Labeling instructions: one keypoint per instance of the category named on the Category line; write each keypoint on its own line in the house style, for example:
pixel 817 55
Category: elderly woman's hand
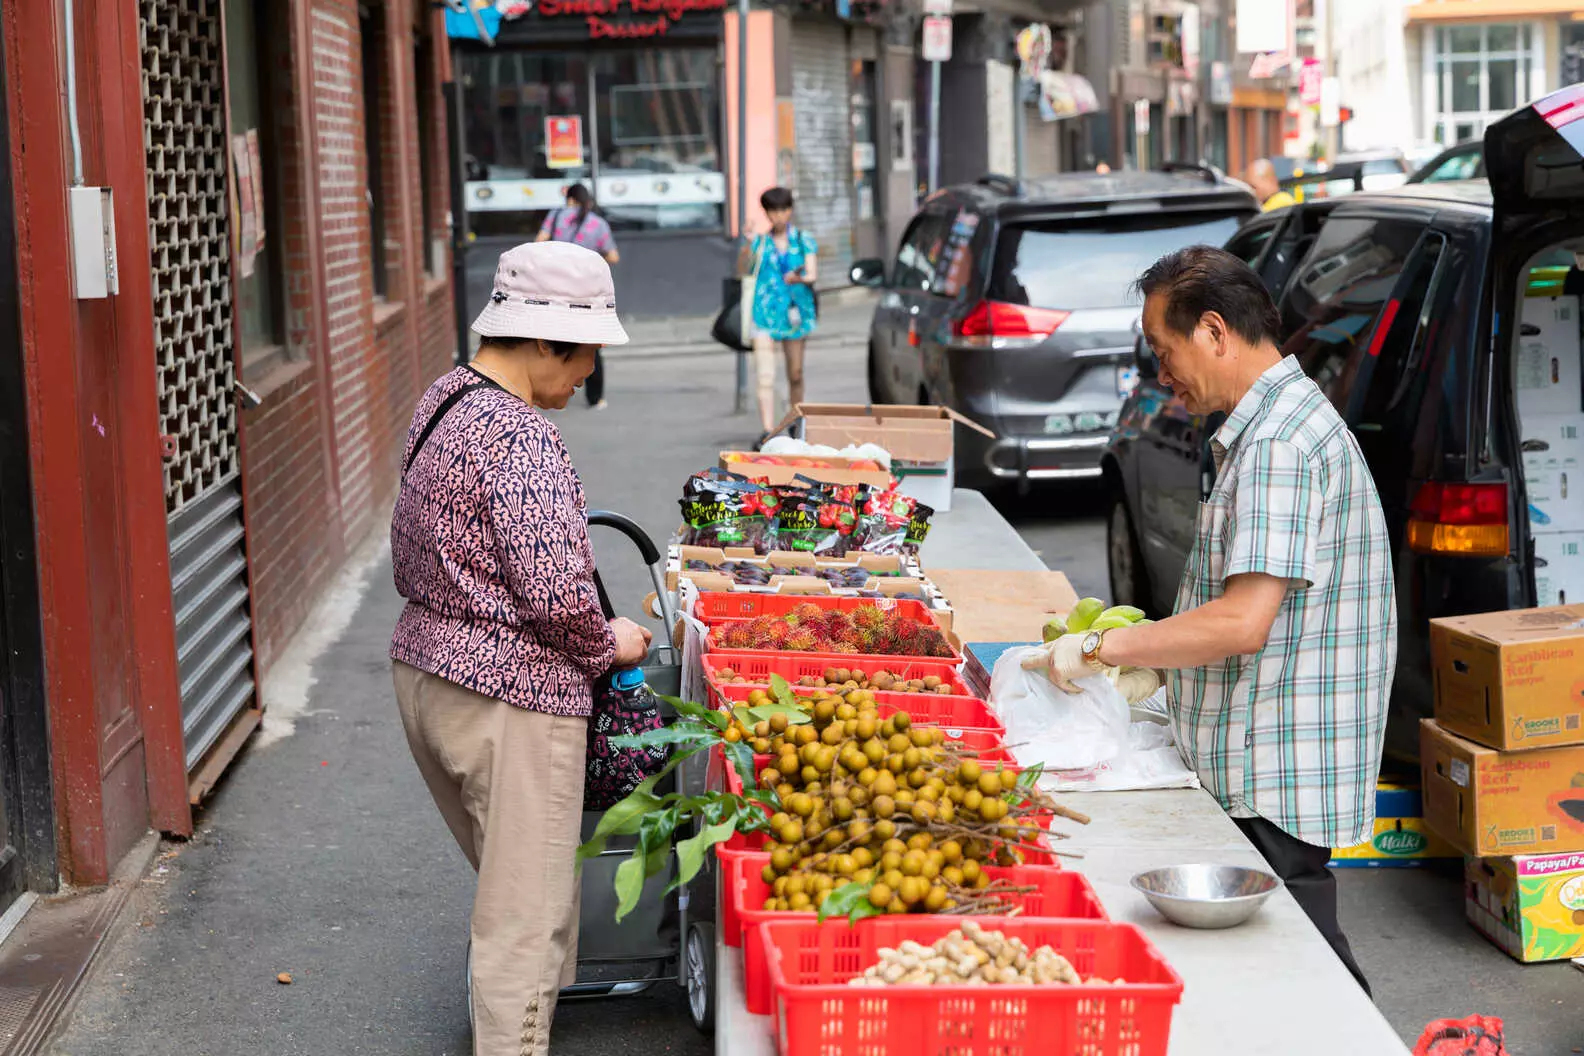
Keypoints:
pixel 632 642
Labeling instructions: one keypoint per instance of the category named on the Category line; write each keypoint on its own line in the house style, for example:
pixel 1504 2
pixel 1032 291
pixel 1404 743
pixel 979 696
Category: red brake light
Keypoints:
pixel 1468 520
pixel 993 320
pixel 1562 107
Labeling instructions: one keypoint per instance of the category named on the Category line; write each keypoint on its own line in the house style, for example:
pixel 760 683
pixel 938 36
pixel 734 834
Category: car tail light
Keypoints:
pixel 1563 107
pixel 1463 520
pixel 992 323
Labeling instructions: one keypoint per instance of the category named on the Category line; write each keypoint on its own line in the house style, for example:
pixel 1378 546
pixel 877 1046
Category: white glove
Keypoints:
pixel 1062 661
pixel 1138 683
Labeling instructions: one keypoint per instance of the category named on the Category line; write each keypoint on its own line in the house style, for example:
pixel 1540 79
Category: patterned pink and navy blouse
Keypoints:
pixel 490 545
pixel 592 232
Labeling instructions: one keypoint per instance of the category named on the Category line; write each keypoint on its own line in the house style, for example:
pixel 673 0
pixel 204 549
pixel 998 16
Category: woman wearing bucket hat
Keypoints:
pixel 503 635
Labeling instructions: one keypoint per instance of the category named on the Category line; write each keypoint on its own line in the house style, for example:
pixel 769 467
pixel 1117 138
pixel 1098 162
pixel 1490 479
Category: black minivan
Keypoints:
pixel 1443 320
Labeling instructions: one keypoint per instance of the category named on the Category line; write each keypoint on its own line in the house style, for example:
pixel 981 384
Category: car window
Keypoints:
pixel 1076 264
pixel 1382 165
pixel 920 250
pixel 1250 242
pixel 1457 167
pixel 1338 295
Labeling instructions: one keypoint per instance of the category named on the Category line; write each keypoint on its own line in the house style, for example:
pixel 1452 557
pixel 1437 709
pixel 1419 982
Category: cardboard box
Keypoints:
pixel 1511 679
pixel 1553 465
pixel 1547 371
pixel 788 468
pixel 1491 803
pixel 920 440
pixel 1401 836
pixel 1531 905
pixel 1002 606
pixel 1559 567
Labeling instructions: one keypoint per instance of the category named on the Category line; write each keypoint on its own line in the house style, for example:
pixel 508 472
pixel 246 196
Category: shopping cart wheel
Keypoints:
pixel 699 969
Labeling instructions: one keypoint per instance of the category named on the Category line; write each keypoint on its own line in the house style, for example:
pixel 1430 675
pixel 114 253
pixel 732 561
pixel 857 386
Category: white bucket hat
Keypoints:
pixel 556 291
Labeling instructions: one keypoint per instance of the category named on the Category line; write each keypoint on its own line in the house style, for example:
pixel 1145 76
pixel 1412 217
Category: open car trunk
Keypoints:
pixel 1535 159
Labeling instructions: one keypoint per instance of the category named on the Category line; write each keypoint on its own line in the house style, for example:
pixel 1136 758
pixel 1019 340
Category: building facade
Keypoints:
pixel 212 425
pixel 1438 72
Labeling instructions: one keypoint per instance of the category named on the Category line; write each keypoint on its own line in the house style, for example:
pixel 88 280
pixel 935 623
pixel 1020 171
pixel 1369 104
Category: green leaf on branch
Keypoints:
pixel 691 851
pixel 850 901
pixel 631 875
pixel 690 734
pixel 781 689
pixel 1030 777
pixel 741 758
pixel 622 819
pixel 698 712
pixel 795 715
pixel 744 716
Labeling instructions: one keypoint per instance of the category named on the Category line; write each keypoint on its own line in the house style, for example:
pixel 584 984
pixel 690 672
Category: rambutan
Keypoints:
pixel 777 632
pixel 805 613
pixel 800 640
pixel 840 647
pixel 869 617
pixel 735 636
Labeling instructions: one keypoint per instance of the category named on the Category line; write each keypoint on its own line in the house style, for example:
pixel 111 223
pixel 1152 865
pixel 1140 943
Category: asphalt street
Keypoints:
pixel 322 856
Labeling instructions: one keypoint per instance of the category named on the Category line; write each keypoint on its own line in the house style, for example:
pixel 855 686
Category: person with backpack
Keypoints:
pixel 782 262
pixel 579 223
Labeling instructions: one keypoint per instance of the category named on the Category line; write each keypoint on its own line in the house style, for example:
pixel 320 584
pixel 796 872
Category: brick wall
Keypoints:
pixel 322 451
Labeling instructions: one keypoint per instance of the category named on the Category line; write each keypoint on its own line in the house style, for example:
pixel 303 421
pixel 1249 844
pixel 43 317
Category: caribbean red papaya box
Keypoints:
pixel 1490 803
pixel 1511 680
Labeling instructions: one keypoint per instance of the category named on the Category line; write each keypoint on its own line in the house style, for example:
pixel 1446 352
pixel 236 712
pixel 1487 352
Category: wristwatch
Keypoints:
pixel 1090 648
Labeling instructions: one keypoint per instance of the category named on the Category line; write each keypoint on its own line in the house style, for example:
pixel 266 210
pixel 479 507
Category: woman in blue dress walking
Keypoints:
pixel 784 267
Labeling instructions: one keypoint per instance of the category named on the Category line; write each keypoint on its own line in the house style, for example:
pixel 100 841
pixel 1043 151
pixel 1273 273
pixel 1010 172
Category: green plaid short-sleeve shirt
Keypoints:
pixel 1293 734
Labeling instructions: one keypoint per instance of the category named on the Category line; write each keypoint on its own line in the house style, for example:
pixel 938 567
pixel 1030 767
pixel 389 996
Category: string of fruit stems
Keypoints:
pixel 863 815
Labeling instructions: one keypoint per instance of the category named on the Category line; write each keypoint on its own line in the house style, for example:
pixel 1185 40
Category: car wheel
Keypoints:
pixel 699 976
pixel 1125 560
pixel 877 390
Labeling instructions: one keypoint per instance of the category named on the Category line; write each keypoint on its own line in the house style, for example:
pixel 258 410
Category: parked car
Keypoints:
pixel 1466 161
pixel 1407 308
pixel 1012 304
pixel 1374 170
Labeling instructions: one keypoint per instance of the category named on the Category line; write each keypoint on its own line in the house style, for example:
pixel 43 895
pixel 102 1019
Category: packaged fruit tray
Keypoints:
pixel 1051 892
pixel 805 672
pixel 819 1014
pixel 958 716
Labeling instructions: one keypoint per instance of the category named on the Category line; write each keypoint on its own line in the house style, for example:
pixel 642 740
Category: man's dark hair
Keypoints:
pixel 775 198
pixel 1203 279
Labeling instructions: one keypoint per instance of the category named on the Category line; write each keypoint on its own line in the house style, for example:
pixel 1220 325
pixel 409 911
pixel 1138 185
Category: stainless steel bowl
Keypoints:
pixel 1206 896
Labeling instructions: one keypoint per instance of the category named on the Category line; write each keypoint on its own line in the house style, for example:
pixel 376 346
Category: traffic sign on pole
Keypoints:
pixel 936 45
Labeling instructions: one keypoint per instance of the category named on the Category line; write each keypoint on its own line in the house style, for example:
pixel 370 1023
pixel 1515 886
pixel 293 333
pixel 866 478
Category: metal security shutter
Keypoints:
pixel 184 133
pixel 821 88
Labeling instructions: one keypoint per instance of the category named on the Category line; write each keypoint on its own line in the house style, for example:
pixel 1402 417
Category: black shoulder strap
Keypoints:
pixel 441 411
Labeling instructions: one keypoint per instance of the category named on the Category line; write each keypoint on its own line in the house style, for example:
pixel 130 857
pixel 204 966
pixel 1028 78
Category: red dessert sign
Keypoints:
pixel 627 19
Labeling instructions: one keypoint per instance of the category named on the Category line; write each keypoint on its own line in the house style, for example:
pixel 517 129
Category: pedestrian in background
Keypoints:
pixel 1261 178
pixel 784 267
pixel 578 222
pixel 1284 642
pixel 496 653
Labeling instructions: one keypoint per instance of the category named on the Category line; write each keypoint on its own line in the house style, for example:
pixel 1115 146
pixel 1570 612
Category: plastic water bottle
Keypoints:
pixel 636 695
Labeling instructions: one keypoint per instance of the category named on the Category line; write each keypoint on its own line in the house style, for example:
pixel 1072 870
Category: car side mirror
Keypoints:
pixel 1144 356
pixel 868 272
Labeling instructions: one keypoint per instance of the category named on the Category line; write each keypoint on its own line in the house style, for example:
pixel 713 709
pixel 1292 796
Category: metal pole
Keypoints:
pixel 741 404
pixel 1334 133
pixel 934 135
pixel 459 223
pixel 1019 115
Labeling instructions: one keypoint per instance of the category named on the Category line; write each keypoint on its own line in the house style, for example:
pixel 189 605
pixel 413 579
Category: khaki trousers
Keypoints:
pixel 509 783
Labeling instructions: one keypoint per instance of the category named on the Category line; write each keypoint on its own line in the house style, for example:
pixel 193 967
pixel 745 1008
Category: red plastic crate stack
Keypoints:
pixel 714 609
pixel 758 667
pixel 1056 893
pixel 819 1014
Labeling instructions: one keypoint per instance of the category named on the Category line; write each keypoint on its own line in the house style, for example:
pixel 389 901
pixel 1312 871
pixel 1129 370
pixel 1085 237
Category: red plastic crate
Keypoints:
pixel 793 666
pixel 818 1014
pixel 921 707
pixel 715 607
pixel 1059 893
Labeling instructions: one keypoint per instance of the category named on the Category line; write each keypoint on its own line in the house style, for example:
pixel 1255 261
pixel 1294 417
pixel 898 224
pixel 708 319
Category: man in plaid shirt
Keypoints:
pixel 1281 652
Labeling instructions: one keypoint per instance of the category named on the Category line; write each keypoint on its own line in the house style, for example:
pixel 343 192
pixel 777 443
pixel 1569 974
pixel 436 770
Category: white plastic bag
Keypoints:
pixel 1065 731
pixel 1087 742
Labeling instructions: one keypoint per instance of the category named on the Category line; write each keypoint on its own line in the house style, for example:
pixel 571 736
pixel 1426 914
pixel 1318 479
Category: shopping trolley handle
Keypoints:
pixel 628 527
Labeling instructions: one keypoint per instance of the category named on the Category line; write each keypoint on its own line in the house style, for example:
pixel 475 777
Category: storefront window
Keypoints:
pixel 255 190
pixel 641 127
pixel 1482 72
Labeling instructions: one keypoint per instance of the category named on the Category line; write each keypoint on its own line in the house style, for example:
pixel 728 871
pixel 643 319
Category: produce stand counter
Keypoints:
pixel 1271 986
